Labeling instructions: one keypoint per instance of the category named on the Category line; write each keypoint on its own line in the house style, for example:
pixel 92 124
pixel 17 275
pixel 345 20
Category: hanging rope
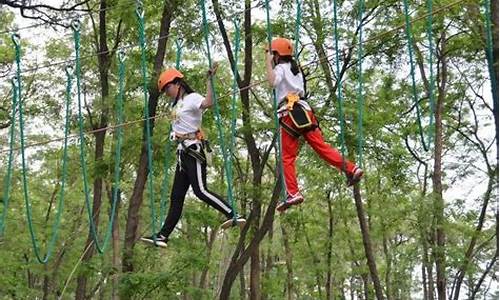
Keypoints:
pixel 118 135
pixel 60 204
pixel 298 21
pixel 140 18
pixel 217 111
pixel 491 68
pixel 251 85
pixel 339 86
pixel 12 133
pixel 232 141
pixel 168 145
pixel 361 99
pixel 409 38
pixel 142 40
pixel 279 160
pixel 93 231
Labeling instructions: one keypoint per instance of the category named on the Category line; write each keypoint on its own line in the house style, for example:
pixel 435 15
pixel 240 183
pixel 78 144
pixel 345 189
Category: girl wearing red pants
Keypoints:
pixel 297 119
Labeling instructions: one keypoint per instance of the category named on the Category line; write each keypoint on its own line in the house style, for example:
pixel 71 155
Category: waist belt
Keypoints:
pixel 200 155
pixel 186 136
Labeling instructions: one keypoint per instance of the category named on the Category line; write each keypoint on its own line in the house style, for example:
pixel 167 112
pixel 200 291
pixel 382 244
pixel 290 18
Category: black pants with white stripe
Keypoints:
pixel 191 172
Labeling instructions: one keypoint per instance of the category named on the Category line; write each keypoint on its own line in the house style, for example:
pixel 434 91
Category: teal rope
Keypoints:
pixel 432 102
pixel 118 133
pixel 298 19
pixel 339 86
pixel 279 162
pixel 178 53
pixel 168 145
pixel 489 57
pixel 361 100
pixel 92 227
pixel 140 18
pixel 232 142
pixel 409 38
pixel 8 176
pixel 217 111
pixel 60 204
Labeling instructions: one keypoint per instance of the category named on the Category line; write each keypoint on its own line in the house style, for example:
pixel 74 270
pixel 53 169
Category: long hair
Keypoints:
pixel 184 86
pixel 289 59
pixel 294 67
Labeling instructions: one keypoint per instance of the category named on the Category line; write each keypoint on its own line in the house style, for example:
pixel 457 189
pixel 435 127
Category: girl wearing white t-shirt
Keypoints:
pixel 297 119
pixel 191 168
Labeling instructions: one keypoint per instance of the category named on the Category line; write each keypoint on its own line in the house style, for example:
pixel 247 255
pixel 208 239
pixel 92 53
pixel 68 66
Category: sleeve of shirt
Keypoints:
pixel 279 73
pixel 195 103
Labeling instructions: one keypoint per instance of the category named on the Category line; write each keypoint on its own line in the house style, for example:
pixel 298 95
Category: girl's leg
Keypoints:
pixel 179 190
pixel 327 152
pixel 197 173
pixel 290 148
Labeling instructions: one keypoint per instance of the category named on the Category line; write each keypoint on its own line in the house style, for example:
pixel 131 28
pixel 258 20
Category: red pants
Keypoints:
pixel 290 148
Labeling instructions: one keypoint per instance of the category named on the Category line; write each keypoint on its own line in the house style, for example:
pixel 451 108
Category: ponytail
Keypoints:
pixel 185 86
pixel 295 68
pixel 294 65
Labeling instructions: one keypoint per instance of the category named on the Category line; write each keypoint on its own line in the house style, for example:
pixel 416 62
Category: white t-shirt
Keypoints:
pixel 188 116
pixel 285 82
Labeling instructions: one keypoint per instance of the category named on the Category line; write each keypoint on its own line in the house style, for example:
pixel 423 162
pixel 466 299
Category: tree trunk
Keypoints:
pixel 255 293
pixel 104 63
pixel 388 266
pixel 116 246
pixel 329 253
pixel 289 264
pixel 316 261
pixel 494 20
pixel 238 260
pixel 210 244
pixel 439 254
pixel 370 258
pixel 142 170
pixel 269 261
pixel 240 256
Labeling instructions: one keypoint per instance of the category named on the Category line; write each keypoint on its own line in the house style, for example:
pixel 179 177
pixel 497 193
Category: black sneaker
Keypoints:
pixel 238 221
pixel 290 200
pixel 355 177
pixel 157 239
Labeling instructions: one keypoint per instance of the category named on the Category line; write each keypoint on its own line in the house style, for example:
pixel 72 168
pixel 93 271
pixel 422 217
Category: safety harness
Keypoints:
pixel 203 155
pixel 298 114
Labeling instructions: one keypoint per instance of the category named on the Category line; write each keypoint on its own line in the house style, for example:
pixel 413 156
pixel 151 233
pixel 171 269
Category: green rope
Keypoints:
pixel 409 38
pixel 361 100
pixel 60 204
pixel 178 53
pixel 279 160
pixel 118 132
pixel 93 231
pixel 298 19
pixel 12 133
pixel 491 69
pixel 142 40
pixel 232 142
pixel 217 111
pixel 339 86
pixel 168 145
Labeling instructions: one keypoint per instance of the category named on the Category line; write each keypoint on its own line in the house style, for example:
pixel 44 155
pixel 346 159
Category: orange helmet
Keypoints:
pixel 282 46
pixel 168 76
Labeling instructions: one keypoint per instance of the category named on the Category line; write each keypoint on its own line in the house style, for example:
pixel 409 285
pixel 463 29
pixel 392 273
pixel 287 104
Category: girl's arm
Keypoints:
pixel 269 68
pixel 208 102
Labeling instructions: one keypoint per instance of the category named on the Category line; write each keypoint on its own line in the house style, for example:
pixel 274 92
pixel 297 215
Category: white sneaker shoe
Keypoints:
pixel 238 221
